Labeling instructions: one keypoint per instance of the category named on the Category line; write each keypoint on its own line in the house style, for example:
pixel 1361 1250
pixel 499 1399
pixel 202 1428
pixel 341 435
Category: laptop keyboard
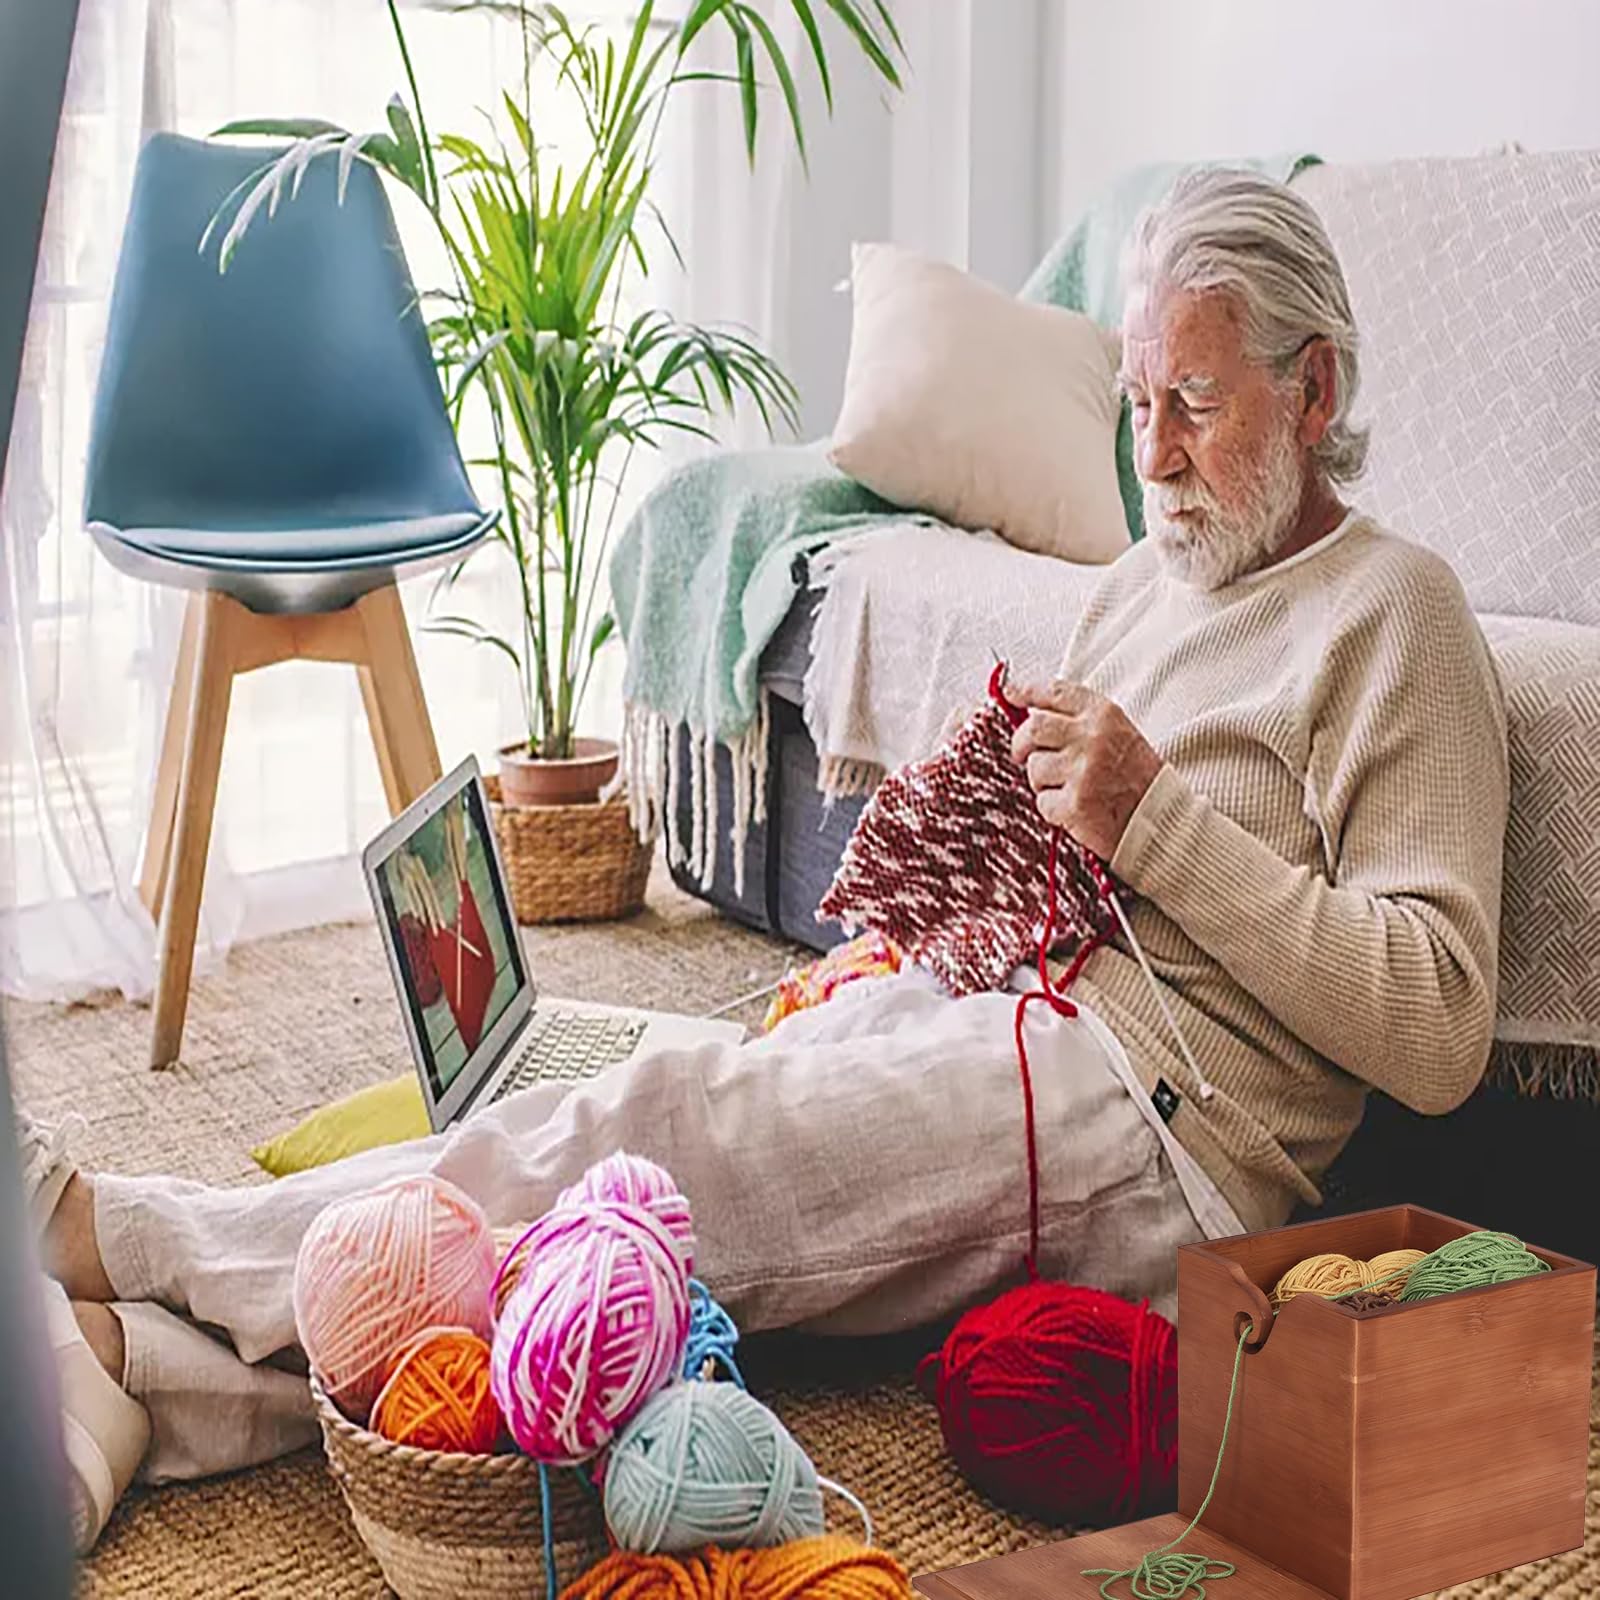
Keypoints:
pixel 564 1046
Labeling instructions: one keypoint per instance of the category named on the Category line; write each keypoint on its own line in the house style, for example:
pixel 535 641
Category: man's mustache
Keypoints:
pixel 1172 499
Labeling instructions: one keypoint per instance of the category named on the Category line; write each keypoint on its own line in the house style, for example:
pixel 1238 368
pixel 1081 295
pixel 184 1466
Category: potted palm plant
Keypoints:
pixel 531 328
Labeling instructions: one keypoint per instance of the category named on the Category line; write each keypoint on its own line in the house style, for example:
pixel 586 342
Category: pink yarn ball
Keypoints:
pixel 376 1269
pixel 597 1324
pixel 636 1181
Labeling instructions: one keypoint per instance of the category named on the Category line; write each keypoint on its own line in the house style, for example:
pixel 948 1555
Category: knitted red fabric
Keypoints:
pixel 949 860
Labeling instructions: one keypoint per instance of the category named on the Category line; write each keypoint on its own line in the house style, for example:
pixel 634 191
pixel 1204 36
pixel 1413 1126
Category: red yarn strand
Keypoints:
pixel 1053 993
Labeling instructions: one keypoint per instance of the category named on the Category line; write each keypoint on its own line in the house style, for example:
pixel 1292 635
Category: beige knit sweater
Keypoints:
pixel 1315 873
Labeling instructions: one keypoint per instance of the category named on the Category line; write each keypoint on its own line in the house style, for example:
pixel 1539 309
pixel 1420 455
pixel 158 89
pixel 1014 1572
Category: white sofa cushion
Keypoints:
pixel 984 410
pixel 1476 287
pixel 1550 906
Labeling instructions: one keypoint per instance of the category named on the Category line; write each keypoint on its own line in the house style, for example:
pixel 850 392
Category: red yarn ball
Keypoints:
pixel 1061 1402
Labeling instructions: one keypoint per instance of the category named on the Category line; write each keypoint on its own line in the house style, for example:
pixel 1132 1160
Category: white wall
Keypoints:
pixel 1017 112
pixel 1145 80
pixel 949 167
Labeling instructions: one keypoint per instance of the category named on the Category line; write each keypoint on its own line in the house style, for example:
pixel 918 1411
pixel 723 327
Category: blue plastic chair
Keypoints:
pixel 274 439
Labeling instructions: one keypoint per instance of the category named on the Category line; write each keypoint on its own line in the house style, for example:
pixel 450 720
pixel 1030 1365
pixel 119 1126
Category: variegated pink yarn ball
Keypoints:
pixel 638 1181
pixel 597 1324
pixel 375 1270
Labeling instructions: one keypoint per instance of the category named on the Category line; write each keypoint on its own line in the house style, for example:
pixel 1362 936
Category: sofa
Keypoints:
pixel 1476 285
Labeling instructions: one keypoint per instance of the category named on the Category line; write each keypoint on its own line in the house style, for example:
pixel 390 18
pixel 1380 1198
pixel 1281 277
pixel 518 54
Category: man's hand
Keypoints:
pixel 1088 764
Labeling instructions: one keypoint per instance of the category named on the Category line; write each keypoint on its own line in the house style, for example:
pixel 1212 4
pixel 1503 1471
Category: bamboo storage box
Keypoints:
pixel 1384 1455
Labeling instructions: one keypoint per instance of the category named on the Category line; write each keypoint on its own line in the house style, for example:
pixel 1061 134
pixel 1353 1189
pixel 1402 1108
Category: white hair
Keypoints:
pixel 1257 240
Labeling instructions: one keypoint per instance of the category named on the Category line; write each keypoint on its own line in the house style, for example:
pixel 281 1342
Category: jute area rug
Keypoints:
pixel 288 1024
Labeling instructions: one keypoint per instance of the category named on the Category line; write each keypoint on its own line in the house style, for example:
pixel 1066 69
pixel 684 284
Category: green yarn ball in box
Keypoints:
pixel 1470 1262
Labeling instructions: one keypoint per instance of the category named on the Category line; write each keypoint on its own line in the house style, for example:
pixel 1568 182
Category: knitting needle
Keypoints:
pixel 745 999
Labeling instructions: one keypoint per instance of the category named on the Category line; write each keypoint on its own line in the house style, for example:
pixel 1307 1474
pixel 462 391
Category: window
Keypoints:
pixel 300 784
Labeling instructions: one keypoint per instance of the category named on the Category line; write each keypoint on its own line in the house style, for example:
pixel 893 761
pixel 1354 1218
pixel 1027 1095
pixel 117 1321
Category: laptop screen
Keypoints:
pixel 452 933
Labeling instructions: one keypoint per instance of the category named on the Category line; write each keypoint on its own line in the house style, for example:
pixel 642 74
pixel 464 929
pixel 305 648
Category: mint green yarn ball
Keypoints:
pixel 707 1463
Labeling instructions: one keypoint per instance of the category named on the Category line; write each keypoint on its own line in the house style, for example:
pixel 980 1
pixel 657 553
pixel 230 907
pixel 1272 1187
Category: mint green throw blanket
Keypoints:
pixel 705 570
pixel 701 577
pixel 703 574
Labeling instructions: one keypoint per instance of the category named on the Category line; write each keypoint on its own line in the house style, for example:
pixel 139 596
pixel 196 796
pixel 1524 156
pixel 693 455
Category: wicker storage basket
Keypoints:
pixel 580 863
pixel 445 1525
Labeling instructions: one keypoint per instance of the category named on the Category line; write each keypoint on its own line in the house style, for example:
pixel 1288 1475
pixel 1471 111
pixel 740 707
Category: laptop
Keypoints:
pixel 478 1027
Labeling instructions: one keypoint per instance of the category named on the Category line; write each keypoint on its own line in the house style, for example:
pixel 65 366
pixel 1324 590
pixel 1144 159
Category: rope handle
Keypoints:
pixel 1260 1318
pixel 505 1263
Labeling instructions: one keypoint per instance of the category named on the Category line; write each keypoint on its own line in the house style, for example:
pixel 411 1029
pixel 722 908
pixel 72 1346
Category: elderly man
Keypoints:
pixel 1280 725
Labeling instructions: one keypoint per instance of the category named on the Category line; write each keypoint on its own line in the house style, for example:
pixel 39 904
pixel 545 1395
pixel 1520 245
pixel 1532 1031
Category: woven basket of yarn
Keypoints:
pixel 443 1525
pixel 582 863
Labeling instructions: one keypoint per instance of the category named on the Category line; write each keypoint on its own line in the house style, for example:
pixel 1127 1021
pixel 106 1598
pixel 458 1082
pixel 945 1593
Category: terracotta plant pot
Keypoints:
pixel 577 780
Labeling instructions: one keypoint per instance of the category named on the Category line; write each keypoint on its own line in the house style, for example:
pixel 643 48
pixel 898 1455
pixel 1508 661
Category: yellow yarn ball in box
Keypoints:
pixel 1395 1262
pixel 1321 1275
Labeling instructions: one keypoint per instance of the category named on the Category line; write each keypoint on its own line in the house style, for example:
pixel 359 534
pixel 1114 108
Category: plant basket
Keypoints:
pixel 579 863
pixel 442 1525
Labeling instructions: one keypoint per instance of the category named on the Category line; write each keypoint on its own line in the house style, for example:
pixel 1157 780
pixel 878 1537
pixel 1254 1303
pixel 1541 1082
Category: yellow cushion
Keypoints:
pixel 386 1113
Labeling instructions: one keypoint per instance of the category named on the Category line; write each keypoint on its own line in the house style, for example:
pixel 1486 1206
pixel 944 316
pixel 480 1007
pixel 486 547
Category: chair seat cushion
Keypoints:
pixel 343 544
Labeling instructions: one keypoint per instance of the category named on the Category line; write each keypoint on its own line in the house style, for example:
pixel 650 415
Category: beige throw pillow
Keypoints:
pixel 985 410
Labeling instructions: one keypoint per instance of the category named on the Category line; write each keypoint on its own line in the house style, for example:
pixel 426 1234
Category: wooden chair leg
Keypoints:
pixel 169 770
pixel 392 790
pixel 197 798
pixel 402 732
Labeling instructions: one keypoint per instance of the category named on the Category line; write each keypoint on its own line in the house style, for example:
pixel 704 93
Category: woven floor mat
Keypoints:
pixel 282 1530
pixel 290 1023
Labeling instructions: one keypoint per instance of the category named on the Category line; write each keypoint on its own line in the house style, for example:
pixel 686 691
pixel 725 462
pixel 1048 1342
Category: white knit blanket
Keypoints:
pixel 908 632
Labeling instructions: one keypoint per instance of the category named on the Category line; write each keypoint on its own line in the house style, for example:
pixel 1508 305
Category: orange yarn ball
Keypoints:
pixel 438 1397
pixel 825 1568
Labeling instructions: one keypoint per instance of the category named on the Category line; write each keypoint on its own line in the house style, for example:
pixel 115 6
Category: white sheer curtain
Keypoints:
pixel 951 167
pixel 735 221
pixel 86 656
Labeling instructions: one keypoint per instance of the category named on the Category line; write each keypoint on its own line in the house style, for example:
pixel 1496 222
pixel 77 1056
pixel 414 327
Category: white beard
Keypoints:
pixel 1213 547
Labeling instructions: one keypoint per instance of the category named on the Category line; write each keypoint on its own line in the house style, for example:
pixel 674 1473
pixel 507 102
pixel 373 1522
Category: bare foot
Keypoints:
pixel 102 1331
pixel 71 1252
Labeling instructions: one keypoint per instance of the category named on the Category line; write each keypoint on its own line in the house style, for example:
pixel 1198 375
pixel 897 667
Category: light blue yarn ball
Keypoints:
pixel 707 1463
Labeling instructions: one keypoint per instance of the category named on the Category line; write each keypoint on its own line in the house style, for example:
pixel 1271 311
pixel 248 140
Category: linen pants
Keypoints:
pixel 862 1169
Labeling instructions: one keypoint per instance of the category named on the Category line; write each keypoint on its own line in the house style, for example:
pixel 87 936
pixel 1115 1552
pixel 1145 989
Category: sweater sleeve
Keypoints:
pixel 1388 965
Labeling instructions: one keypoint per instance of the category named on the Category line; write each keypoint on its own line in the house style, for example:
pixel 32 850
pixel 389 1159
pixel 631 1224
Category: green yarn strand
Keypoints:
pixel 1470 1262
pixel 1168 1574
pixel 1168 1577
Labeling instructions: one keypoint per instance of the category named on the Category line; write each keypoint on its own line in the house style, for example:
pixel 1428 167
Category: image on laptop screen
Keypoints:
pixel 458 948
